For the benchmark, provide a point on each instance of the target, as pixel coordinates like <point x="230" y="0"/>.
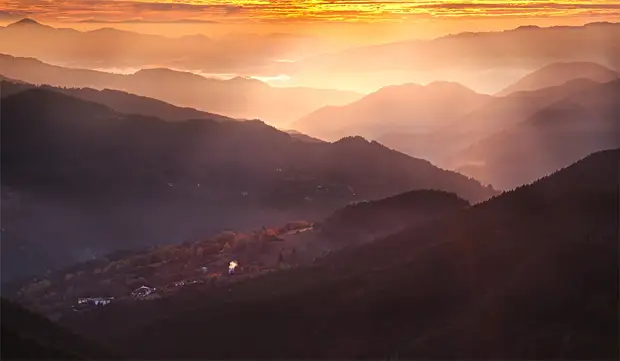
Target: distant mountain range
<point x="529" y="274"/>
<point x="584" y="122"/>
<point x="235" y="53"/>
<point x="560" y="73"/>
<point x="440" y="120"/>
<point x="94" y="179"/>
<point x="441" y="145"/>
<point x="238" y="97"/>
<point x="398" y="108"/>
<point x="484" y="61"/>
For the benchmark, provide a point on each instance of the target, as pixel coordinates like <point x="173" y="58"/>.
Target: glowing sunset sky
<point x="425" y="17"/>
<point x="302" y="11"/>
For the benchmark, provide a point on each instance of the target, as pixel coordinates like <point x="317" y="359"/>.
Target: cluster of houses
<point x="86" y="303"/>
<point x="143" y="292"/>
<point x="187" y="282"/>
<point x="97" y="301"/>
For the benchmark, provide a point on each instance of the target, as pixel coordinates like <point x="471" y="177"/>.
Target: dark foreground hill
<point x="531" y="274"/>
<point x="94" y="180"/>
<point x="370" y="219"/>
<point x="28" y="336"/>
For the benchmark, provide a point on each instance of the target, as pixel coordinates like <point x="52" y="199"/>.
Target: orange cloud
<point x="394" y="11"/>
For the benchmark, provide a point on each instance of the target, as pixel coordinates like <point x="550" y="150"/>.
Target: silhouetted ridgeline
<point x="119" y="101"/>
<point x="532" y="273"/>
<point x="119" y="152"/>
<point x="94" y="180"/>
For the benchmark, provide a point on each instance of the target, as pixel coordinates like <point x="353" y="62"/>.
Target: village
<point x="163" y="271"/>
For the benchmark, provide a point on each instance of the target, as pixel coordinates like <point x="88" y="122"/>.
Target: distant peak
<point x="246" y="80"/>
<point x="528" y="27"/>
<point x="357" y="139"/>
<point x="108" y="30"/>
<point x="239" y="78"/>
<point x="161" y="71"/>
<point x="602" y="23"/>
<point x="25" y="21"/>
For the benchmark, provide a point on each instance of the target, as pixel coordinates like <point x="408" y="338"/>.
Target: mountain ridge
<point x="395" y="107"/>
<point x="195" y="177"/>
<point x="559" y="73"/>
<point x="120" y="101"/>
<point x="237" y="98"/>
<point x="551" y="138"/>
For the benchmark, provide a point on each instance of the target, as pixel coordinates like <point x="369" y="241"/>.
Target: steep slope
<point x="95" y="180"/>
<point x="407" y="107"/>
<point x="560" y="73"/>
<point x="532" y="273"/>
<point x="238" y="97"/>
<point x="552" y="138"/>
<point x="27" y="336"/>
<point x="119" y="101"/>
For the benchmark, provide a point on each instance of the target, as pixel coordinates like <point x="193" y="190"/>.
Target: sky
<point x="361" y="18"/>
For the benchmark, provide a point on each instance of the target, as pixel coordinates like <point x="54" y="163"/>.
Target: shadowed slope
<point x="532" y="273"/>
<point x="28" y="336"/>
